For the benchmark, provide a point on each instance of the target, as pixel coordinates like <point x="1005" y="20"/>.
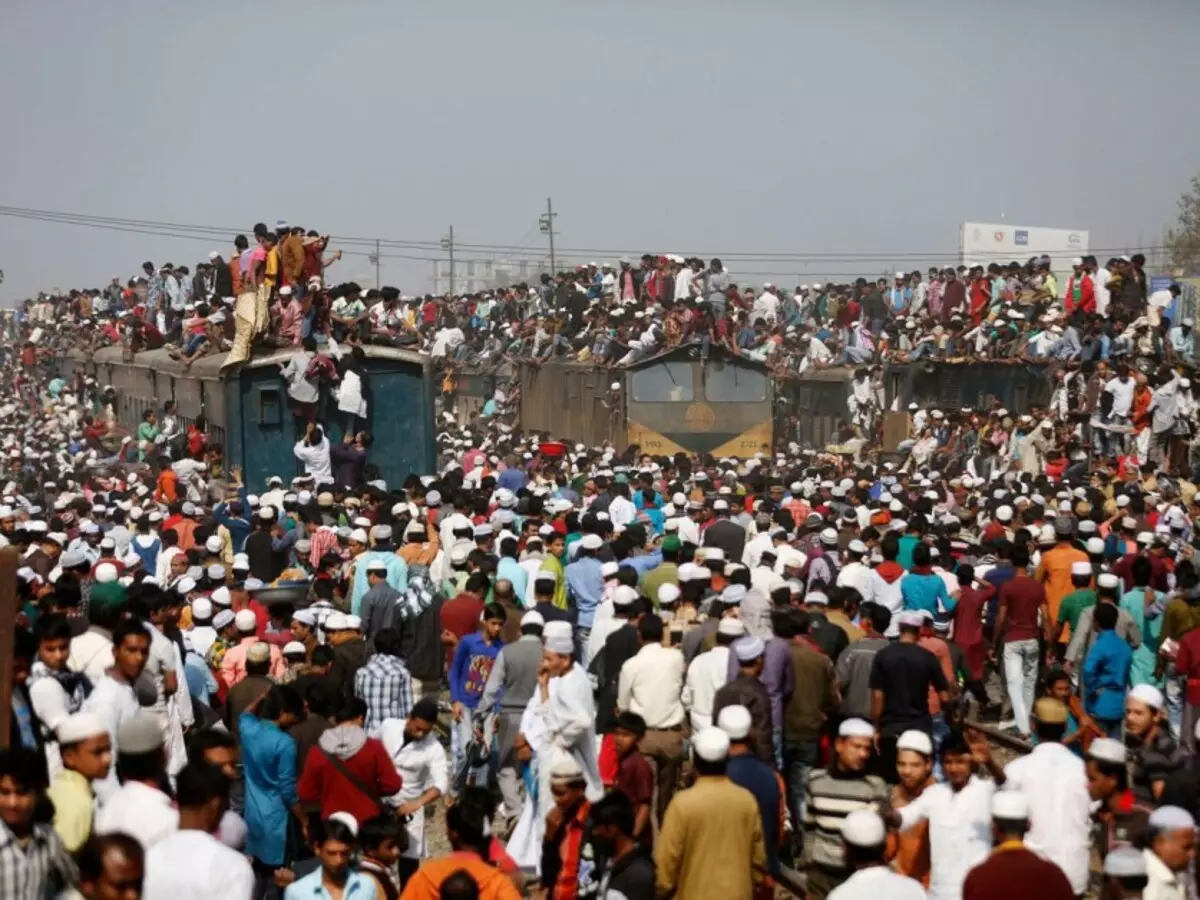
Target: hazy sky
<point x="761" y="126"/>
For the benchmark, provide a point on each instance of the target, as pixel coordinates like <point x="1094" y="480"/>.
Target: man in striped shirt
<point x="831" y="795"/>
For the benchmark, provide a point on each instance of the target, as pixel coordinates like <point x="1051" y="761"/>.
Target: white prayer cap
<point x="1125" y="862"/>
<point x="186" y="586"/>
<point x="533" y="617"/>
<point x="857" y="546"/>
<point x="358" y="535"/>
<point x="625" y="596"/>
<point x="223" y="619"/>
<point x="731" y="627"/>
<point x="711" y="744"/>
<point x="558" y="637"/>
<point x="202" y="608"/>
<point x="917" y="741"/>
<point x="213" y="544"/>
<point x="591" y="542"/>
<point x="668" y="594"/>
<point x="714" y="554"/>
<point x="80" y="727"/>
<point x="106" y="573"/>
<point x="733" y="595"/>
<point x="609" y="569"/>
<point x="864" y="828"/>
<point x="748" y="649"/>
<point x="1010" y="806"/>
<point x="221" y="597"/>
<point x="1171" y="818"/>
<point x="1094" y="546"/>
<point x="1147" y="694"/>
<point x="735" y="722"/>
<point x="856" y="728"/>
<point x="565" y="769"/>
<point x="1081" y="568"/>
<point x="305" y="617"/>
<point x="1107" y="750"/>
<point x="1004" y="514"/>
<point x="245" y="620"/>
<point x="353" y="623"/>
<point x="337" y="622"/>
<point x="817" y="598"/>
<point x="345" y="818"/>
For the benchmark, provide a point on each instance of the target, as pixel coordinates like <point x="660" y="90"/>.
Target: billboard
<point x="984" y="243"/>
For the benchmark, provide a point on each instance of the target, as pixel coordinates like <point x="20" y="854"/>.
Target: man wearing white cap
<point x="510" y="686"/>
<point x="756" y="776"/>
<point x="1169" y="854"/>
<point x="746" y="689"/>
<point x="1053" y="781"/>
<point x="711" y="842"/>
<point x="87" y="756"/>
<point x="1013" y="870"/>
<point x="560" y="717"/>
<point x="830" y="795"/>
<point x="959" y="814"/>
<point x="865" y="837"/>
<point x="1153" y="753"/>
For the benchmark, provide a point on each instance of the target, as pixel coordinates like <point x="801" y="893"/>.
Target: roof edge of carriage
<point x="208" y="368"/>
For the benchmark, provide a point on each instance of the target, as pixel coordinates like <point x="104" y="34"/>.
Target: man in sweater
<point x="830" y="796"/>
<point x="1013" y="870"/>
<point x="474" y="657"/>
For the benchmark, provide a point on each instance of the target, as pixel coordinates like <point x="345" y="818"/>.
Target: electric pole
<point x="546" y="226"/>
<point x="448" y="244"/>
<point x="373" y="258"/>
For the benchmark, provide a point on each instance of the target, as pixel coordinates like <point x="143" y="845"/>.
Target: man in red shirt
<point x="1021" y="600"/>
<point x="461" y="615"/>
<point x="973" y="598"/>
<point x="1013" y="870"/>
<point x="347" y="771"/>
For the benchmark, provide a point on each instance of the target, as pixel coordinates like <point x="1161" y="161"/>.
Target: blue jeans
<point x="941" y="731"/>
<point x="800" y="758"/>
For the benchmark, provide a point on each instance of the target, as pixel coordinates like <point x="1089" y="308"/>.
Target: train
<point x="683" y="399"/>
<point x="246" y="409"/>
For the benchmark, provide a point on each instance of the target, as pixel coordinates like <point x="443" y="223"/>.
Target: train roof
<point x="208" y="368"/>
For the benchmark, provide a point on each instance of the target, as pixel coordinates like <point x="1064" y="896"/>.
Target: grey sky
<point x="861" y="126"/>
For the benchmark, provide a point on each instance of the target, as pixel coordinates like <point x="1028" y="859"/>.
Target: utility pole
<point x="374" y="259"/>
<point x="546" y="226"/>
<point x="448" y="244"/>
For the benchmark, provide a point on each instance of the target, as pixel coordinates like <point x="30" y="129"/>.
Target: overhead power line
<point x="429" y="251"/>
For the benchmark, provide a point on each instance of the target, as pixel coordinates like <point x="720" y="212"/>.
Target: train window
<point x="664" y="382"/>
<point x="734" y="384"/>
<point x="270" y="410"/>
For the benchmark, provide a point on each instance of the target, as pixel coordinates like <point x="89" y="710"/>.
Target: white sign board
<point x="985" y="243"/>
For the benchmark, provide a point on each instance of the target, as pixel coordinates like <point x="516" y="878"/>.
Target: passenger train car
<point x="247" y="408"/>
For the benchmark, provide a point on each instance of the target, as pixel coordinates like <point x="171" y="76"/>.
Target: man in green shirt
<point x="665" y="573"/>
<point x="1078" y="600"/>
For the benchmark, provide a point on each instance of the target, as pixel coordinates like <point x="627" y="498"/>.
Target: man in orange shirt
<point x="1054" y="571"/>
<point x="464" y="828"/>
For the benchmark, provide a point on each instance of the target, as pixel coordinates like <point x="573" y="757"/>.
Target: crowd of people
<point x="274" y="289"/>
<point x="581" y="672"/>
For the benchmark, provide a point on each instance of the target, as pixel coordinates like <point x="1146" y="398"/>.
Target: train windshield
<point x="664" y="382"/>
<point x="734" y="384"/>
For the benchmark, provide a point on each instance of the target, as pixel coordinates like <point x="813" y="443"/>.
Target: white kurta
<point x="565" y="721"/>
<point x="421" y="765"/>
<point x="960" y="832"/>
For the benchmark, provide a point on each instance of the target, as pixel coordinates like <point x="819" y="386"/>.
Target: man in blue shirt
<point x="335" y="844"/>
<point x="269" y="767"/>
<point x="469" y="672"/>
<point x="748" y="771"/>
<point x="585" y="583"/>
<point x="1106" y="672"/>
<point x="512" y="571"/>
